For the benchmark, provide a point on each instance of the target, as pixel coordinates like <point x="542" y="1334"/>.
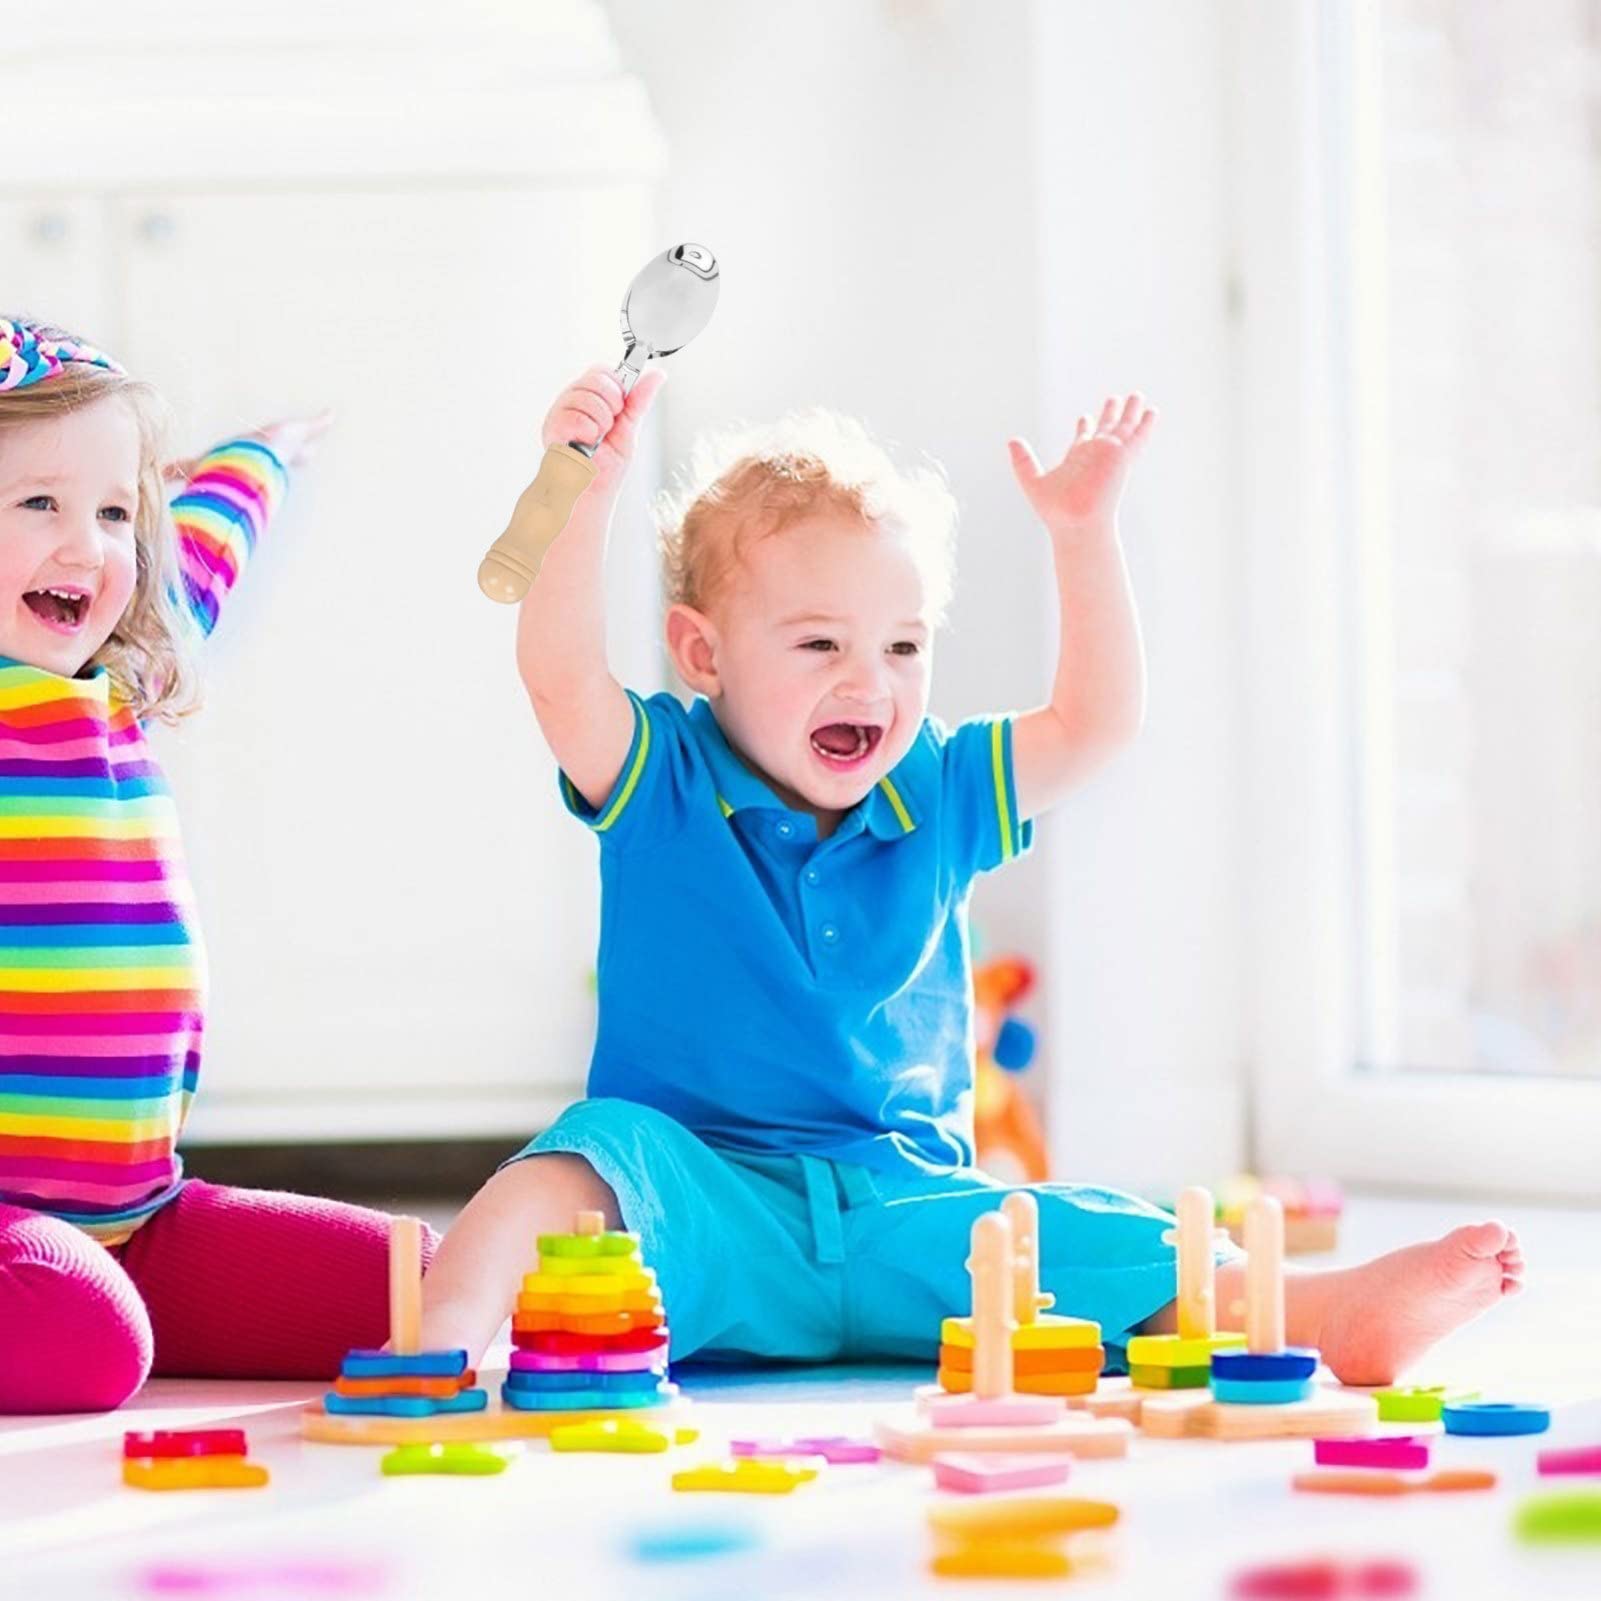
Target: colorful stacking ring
<point x="1261" y="1392"/>
<point x="1494" y="1417"/>
<point x="1294" y="1362"/>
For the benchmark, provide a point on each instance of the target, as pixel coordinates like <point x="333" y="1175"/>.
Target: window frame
<point x="1311" y="466"/>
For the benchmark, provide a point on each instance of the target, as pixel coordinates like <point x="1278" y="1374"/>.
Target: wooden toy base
<point x="498" y="1423"/>
<point x="910" y="1438"/>
<point x="1111" y="1398"/>
<point x="1330" y="1412"/>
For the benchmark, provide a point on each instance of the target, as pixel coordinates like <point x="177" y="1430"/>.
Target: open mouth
<point x="844" y="746"/>
<point x="61" y="610"/>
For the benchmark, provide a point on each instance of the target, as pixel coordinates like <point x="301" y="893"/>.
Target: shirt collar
<point x="889" y="810"/>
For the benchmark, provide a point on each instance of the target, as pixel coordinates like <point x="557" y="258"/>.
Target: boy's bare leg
<point x="473" y="1280"/>
<point x="1372" y="1322"/>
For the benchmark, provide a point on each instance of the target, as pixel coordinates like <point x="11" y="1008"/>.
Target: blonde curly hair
<point x="746" y="483"/>
<point x="147" y="654"/>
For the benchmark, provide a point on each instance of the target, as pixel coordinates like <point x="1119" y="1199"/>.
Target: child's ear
<point x="692" y="644"/>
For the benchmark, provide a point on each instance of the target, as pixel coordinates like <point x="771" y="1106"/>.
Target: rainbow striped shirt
<point x="102" y="973"/>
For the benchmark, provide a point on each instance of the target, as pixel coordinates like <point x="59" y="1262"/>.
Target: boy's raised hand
<point x="592" y="410"/>
<point x="1084" y="488"/>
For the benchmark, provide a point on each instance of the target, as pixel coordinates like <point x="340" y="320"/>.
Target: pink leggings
<point x="221" y="1283"/>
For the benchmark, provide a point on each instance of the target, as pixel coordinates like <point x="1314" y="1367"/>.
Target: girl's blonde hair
<point x="146" y="655"/>
<point x="747" y="483"/>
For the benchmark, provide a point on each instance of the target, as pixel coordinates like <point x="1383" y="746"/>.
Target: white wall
<point x="963" y="221"/>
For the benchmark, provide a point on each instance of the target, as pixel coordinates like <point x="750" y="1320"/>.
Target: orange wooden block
<point x="1346" y="1481"/>
<point x="1060" y="1359"/>
<point x="575" y="1323"/>
<point x="440" y="1388"/>
<point x="955" y="1382"/>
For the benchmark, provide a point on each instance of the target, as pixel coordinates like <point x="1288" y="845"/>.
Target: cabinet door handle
<point x="51" y="228"/>
<point x="157" y="227"/>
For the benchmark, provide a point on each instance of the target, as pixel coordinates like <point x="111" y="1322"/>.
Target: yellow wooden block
<point x="1010" y="1559"/>
<point x="1019" y="1517"/>
<point x="745" y="1476"/>
<point x="587" y="1284"/>
<point x="621" y="1435"/>
<point x="193" y="1473"/>
<point x="1045" y="1333"/>
<point x="590" y="1305"/>
<point x="1169" y="1351"/>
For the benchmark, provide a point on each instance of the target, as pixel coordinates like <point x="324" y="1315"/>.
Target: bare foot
<point x="1374" y="1321"/>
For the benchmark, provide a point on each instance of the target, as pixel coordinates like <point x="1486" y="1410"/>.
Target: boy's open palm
<point x="1086" y="485"/>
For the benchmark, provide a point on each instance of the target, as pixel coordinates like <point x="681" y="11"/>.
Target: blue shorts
<point x="801" y="1259"/>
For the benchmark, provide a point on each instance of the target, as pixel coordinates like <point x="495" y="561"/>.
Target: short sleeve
<point x="649" y="798"/>
<point x="978" y="797"/>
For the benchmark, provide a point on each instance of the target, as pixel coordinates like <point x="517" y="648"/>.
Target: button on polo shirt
<point x="777" y="992"/>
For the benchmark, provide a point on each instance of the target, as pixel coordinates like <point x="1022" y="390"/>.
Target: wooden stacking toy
<point x="190" y="1459"/>
<point x="589" y="1329"/>
<point x="1268" y="1389"/>
<point x="990" y="1415"/>
<point x="1183" y="1361"/>
<point x="583" y="1355"/>
<point x="1060" y="1356"/>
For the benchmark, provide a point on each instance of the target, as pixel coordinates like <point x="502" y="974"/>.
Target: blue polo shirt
<point x="775" y="992"/>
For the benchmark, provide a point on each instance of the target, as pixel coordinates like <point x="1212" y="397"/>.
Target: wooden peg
<point x="405" y="1285"/>
<point x="990" y="1266"/>
<point x="590" y="1223"/>
<point x="1264" y="1275"/>
<point x="1197" y="1276"/>
<point x="1023" y="1212"/>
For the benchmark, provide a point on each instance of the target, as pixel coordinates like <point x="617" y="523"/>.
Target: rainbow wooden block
<point x="1580" y="1459"/>
<point x="1260" y="1392"/>
<point x="461" y="1458"/>
<point x="745" y="1476"/>
<point x="596" y="1400"/>
<point x="566" y="1343"/>
<point x="429" y="1389"/>
<point x="1023" y="1518"/>
<point x="614" y="1244"/>
<point x="212" y="1472"/>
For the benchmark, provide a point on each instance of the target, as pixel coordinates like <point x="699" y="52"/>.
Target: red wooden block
<point x="185" y="1442"/>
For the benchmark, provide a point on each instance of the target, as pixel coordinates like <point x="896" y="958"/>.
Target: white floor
<point x="330" y="1526"/>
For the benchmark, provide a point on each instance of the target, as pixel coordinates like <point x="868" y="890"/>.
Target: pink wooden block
<point x="979" y="1475"/>
<point x="1393" y="1451"/>
<point x="1573" y="1459"/>
<point x="832" y="1448"/>
<point x="973" y="1412"/>
<point x="589" y="1362"/>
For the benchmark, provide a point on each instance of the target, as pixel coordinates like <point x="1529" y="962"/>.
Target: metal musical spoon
<point x="667" y="304"/>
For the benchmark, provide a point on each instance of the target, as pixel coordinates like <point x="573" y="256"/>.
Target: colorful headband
<point x="31" y="353"/>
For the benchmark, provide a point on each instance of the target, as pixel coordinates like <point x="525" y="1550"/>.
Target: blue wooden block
<point x="419" y="1365"/>
<point x="1494" y="1417"/>
<point x="405" y="1406"/>
<point x="1294" y="1362"/>
<point x="590" y="1400"/>
<point x="1261" y="1392"/>
<point x="645" y="1379"/>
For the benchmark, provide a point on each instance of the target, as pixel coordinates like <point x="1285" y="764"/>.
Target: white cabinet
<point x="400" y="919"/>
